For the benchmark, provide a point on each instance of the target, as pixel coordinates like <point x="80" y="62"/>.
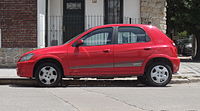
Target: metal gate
<point x="73" y="18"/>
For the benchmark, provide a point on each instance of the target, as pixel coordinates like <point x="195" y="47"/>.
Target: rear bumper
<point x="25" y="69"/>
<point x="176" y="64"/>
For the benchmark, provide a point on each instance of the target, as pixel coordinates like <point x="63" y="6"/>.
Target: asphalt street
<point x="174" y="97"/>
<point x="21" y="94"/>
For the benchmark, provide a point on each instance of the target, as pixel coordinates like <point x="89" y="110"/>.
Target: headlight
<point x="26" y="57"/>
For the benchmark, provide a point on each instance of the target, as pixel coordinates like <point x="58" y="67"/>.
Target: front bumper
<point x="25" y="69"/>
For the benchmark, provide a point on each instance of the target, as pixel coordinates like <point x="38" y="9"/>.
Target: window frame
<point x="112" y="37"/>
<point x="106" y="11"/>
<point x="117" y="30"/>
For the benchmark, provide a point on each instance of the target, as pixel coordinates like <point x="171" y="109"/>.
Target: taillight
<point x="175" y="49"/>
<point x="174" y="44"/>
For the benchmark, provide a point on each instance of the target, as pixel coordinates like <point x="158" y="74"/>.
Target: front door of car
<point x="132" y="47"/>
<point x="95" y="56"/>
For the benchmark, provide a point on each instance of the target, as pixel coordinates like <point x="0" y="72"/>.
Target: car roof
<point x="134" y="25"/>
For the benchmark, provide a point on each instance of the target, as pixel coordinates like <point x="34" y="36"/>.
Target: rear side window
<point x="131" y="35"/>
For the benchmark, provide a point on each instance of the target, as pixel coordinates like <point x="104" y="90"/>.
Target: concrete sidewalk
<point x="8" y="73"/>
<point x="189" y="72"/>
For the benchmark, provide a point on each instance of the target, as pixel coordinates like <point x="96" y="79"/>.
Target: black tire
<point x="76" y="78"/>
<point x="53" y="78"/>
<point x="142" y="79"/>
<point x="151" y="72"/>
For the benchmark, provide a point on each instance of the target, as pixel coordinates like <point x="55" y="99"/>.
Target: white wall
<point x="55" y="7"/>
<point x="132" y="10"/>
<point x="41" y="23"/>
<point x="94" y="12"/>
<point x="55" y="21"/>
<point x="0" y="37"/>
<point x="94" y="8"/>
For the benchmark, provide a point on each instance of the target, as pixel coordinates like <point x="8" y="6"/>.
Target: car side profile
<point x="108" y="51"/>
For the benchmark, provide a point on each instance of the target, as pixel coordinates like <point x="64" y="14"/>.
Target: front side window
<point x="98" y="37"/>
<point x="131" y="35"/>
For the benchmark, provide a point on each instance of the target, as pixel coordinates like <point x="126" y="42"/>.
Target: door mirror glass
<point x="79" y="42"/>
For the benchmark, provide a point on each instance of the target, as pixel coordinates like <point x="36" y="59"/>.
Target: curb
<point x="17" y="81"/>
<point x="182" y="81"/>
<point x="91" y="82"/>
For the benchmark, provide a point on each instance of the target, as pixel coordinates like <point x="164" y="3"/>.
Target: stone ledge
<point x="9" y="56"/>
<point x="155" y="9"/>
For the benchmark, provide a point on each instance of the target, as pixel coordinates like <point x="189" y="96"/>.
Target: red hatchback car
<point x="108" y="51"/>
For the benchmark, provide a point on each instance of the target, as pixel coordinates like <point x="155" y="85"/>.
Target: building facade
<point x="30" y="24"/>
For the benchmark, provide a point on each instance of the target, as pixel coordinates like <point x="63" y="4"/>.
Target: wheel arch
<point x="52" y="60"/>
<point x="160" y="59"/>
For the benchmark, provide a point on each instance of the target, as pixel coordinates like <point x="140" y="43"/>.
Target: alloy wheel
<point x="159" y="74"/>
<point x="48" y="75"/>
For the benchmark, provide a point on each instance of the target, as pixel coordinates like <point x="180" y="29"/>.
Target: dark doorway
<point x="113" y="10"/>
<point x="73" y="18"/>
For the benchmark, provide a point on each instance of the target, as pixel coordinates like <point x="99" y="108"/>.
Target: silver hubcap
<point x="48" y="75"/>
<point x="159" y="74"/>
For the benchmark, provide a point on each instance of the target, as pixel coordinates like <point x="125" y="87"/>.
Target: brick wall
<point x="18" y="23"/>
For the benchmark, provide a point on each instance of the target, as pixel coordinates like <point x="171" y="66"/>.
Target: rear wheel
<point x="48" y="74"/>
<point x="158" y="74"/>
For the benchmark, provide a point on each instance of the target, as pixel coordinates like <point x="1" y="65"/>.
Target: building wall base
<point x="10" y="56"/>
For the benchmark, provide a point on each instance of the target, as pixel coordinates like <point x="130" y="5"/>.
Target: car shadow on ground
<point x="77" y="83"/>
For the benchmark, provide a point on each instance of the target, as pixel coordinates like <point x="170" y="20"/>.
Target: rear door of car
<point x="132" y="46"/>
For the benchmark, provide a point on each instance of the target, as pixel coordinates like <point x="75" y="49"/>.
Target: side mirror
<point x="79" y="42"/>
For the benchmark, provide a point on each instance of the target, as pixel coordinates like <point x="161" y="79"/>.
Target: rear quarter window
<point x="131" y="35"/>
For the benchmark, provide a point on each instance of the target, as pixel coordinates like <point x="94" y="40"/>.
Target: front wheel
<point x="159" y="74"/>
<point x="48" y="74"/>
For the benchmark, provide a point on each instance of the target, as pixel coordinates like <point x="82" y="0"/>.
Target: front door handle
<point x="147" y="48"/>
<point x="106" y="50"/>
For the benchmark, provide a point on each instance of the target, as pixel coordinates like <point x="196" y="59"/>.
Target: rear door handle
<point x="106" y="50"/>
<point x="147" y="48"/>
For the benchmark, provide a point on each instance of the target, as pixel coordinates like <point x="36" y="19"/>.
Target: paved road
<point x="181" y="97"/>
